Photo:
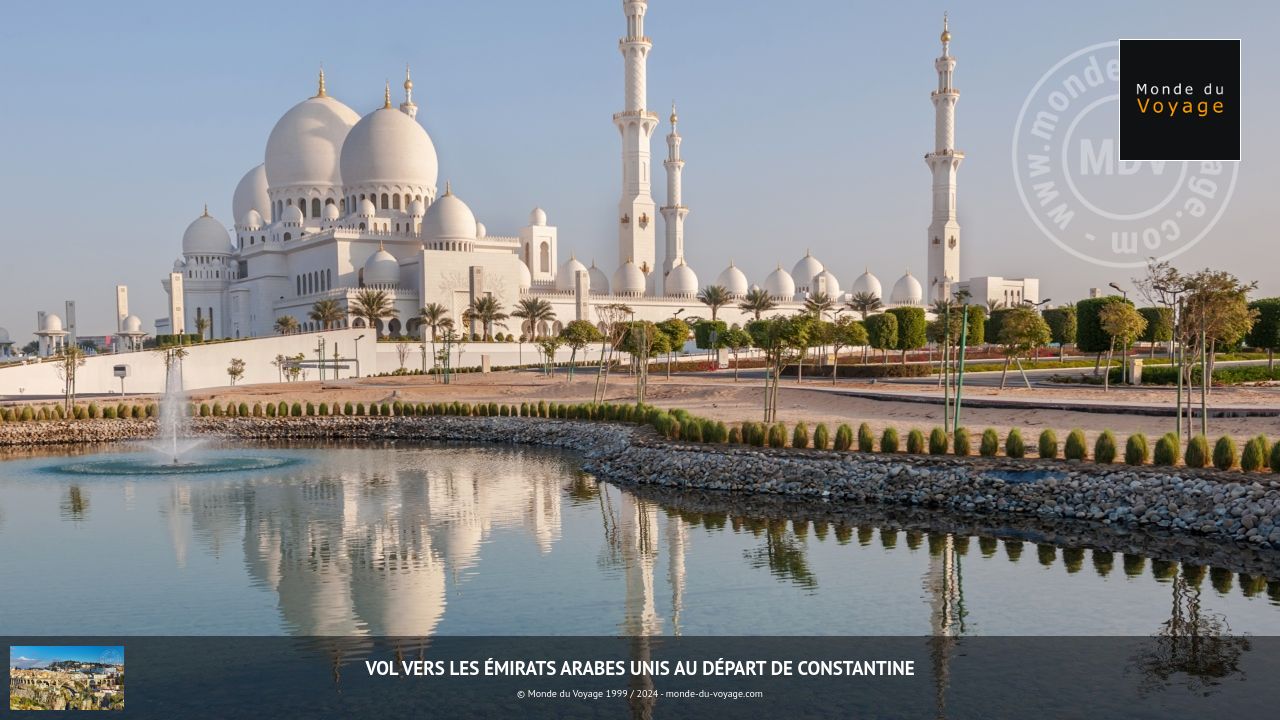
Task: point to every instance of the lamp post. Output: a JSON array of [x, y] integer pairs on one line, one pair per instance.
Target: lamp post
[[358, 339], [1124, 351], [320, 355], [1176, 360]]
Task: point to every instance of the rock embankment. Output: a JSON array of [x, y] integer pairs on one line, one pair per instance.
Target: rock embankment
[[1228, 507]]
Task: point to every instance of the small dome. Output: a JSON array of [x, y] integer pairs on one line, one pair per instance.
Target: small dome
[[251, 220], [52, 324], [628, 280], [682, 282], [833, 285], [805, 270], [381, 269], [526, 277], [387, 147], [733, 280], [599, 281], [133, 324], [538, 217], [481, 230], [568, 274], [417, 208], [292, 215], [206, 236], [907, 291], [779, 285], [367, 208], [868, 283], [449, 218], [305, 144], [331, 212], [251, 194]]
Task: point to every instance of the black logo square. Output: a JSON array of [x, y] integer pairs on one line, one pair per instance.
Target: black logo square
[[1180, 100]]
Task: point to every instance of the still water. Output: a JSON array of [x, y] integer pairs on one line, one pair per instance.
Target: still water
[[413, 540]]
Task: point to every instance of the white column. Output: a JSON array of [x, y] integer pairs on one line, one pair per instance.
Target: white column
[[944, 163], [636, 208]]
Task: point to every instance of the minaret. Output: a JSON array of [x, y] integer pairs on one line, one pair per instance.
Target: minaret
[[944, 162], [674, 212], [407, 107], [636, 221]]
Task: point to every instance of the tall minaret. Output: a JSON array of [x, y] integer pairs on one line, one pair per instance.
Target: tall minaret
[[636, 221], [674, 212], [407, 107], [944, 161]]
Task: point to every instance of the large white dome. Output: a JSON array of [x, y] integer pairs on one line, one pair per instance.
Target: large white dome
[[868, 283], [206, 236], [381, 269], [251, 194], [628, 280], [449, 218], [568, 274], [599, 281], [682, 282], [907, 291], [389, 148], [733, 280], [779, 285], [833, 284], [305, 145], [805, 270]]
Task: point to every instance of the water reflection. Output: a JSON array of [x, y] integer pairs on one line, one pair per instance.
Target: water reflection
[[76, 505]]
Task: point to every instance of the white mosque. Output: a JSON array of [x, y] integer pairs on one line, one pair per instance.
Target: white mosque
[[343, 202]]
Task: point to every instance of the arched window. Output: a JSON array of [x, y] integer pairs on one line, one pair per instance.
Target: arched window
[[361, 226], [289, 202], [328, 282], [302, 205], [395, 202], [544, 258], [343, 206], [288, 237], [385, 201], [315, 207]]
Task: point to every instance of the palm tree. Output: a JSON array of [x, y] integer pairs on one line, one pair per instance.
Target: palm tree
[[488, 312], [202, 327], [757, 302], [714, 297], [818, 305], [326, 312], [533, 312], [864, 302], [373, 306], [993, 304], [432, 317], [286, 324]]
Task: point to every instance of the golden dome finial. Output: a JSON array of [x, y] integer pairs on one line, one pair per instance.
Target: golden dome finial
[[408, 81], [206, 210], [674, 118], [946, 32], [320, 91], [386, 96], [448, 187]]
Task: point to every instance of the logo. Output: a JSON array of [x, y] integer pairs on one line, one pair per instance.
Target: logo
[[1072, 182]]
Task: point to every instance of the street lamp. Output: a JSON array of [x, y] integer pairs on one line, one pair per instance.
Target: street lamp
[[1171, 293], [1123, 293], [358, 339]]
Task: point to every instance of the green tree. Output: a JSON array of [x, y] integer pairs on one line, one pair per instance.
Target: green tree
[[235, 370], [882, 332], [864, 303], [1062, 326], [286, 325], [326, 313], [1265, 333], [1122, 323], [677, 332], [714, 297], [202, 327], [488, 312], [577, 335], [779, 338], [757, 302], [1159, 327], [736, 340], [1090, 337], [912, 329], [845, 332], [1022, 332], [374, 306]]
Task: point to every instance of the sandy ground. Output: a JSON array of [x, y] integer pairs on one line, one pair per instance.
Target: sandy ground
[[812, 401]]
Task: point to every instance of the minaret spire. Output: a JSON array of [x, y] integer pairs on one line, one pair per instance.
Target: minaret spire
[[320, 91], [407, 107], [386, 97], [944, 163], [636, 125], [674, 212]]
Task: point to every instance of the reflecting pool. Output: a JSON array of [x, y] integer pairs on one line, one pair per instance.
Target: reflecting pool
[[412, 540]]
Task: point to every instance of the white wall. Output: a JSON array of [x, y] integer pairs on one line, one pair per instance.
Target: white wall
[[500, 355], [204, 367]]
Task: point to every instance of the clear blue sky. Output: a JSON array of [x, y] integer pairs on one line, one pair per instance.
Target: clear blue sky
[[804, 125], [41, 655]]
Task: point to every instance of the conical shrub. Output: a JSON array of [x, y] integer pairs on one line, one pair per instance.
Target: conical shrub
[[1254, 457], [1166, 452], [1047, 447], [1135, 450], [844, 438], [821, 437], [1104, 449], [989, 446], [889, 441], [866, 439], [1197, 452], [1014, 446], [1224, 453], [800, 436], [1075, 448], [961, 443], [938, 441], [915, 442]]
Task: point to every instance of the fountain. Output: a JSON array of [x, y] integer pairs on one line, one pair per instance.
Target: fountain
[[172, 446]]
